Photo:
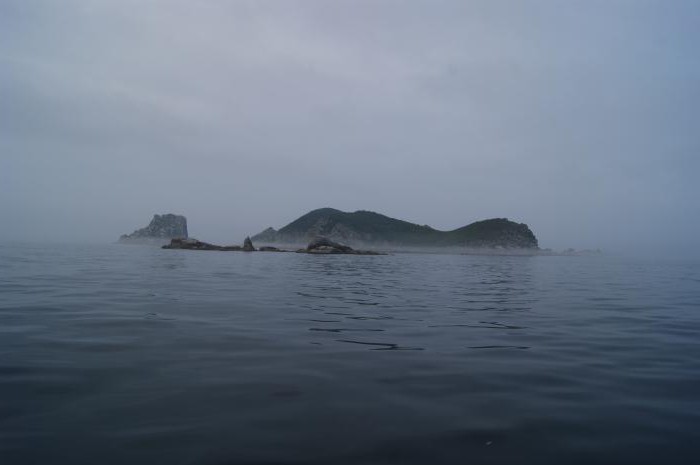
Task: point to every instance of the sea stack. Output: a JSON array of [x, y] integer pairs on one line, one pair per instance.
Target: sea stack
[[248, 245]]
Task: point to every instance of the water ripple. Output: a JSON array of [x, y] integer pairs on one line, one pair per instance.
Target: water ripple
[[141, 355]]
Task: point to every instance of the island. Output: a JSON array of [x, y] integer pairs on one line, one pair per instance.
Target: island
[[330, 231], [160, 230], [370, 229]]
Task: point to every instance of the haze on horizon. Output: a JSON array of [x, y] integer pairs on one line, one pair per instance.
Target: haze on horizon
[[580, 118]]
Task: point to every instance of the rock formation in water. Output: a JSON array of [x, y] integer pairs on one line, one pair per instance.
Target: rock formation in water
[[318, 246], [161, 228], [194, 244], [248, 245], [322, 245], [369, 228], [267, 248]]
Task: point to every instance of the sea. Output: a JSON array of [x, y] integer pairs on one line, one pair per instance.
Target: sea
[[114, 354]]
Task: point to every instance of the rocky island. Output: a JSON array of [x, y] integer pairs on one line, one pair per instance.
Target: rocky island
[[331, 231], [161, 229], [366, 228]]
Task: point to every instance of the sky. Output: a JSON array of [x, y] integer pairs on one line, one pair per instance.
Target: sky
[[579, 118]]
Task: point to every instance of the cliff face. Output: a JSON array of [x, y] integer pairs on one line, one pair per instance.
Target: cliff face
[[365, 227], [163, 227]]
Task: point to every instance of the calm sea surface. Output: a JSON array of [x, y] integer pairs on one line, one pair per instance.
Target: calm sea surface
[[128, 354]]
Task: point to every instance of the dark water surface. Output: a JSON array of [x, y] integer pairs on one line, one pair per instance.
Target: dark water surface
[[126, 354]]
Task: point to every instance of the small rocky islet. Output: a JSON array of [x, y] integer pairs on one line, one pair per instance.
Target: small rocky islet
[[161, 228]]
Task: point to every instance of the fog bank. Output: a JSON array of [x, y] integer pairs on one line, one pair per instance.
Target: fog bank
[[578, 118]]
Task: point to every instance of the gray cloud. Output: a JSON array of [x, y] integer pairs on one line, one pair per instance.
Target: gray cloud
[[580, 118]]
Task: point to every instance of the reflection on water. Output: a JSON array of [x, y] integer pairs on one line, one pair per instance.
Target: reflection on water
[[140, 355]]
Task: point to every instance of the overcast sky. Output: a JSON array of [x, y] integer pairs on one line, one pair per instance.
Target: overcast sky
[[580, 118]]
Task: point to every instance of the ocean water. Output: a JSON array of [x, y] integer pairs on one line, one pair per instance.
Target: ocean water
[[125, 354]]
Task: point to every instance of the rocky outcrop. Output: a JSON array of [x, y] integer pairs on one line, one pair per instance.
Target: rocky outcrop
[[194, 244], [161, 228], [324, 246], [248, 245], [320, 246], [267, 248]]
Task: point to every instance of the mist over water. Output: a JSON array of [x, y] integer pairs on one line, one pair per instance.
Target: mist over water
[[135, 354]]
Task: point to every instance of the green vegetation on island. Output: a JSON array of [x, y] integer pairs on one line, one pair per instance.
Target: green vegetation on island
[[366, 227]]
